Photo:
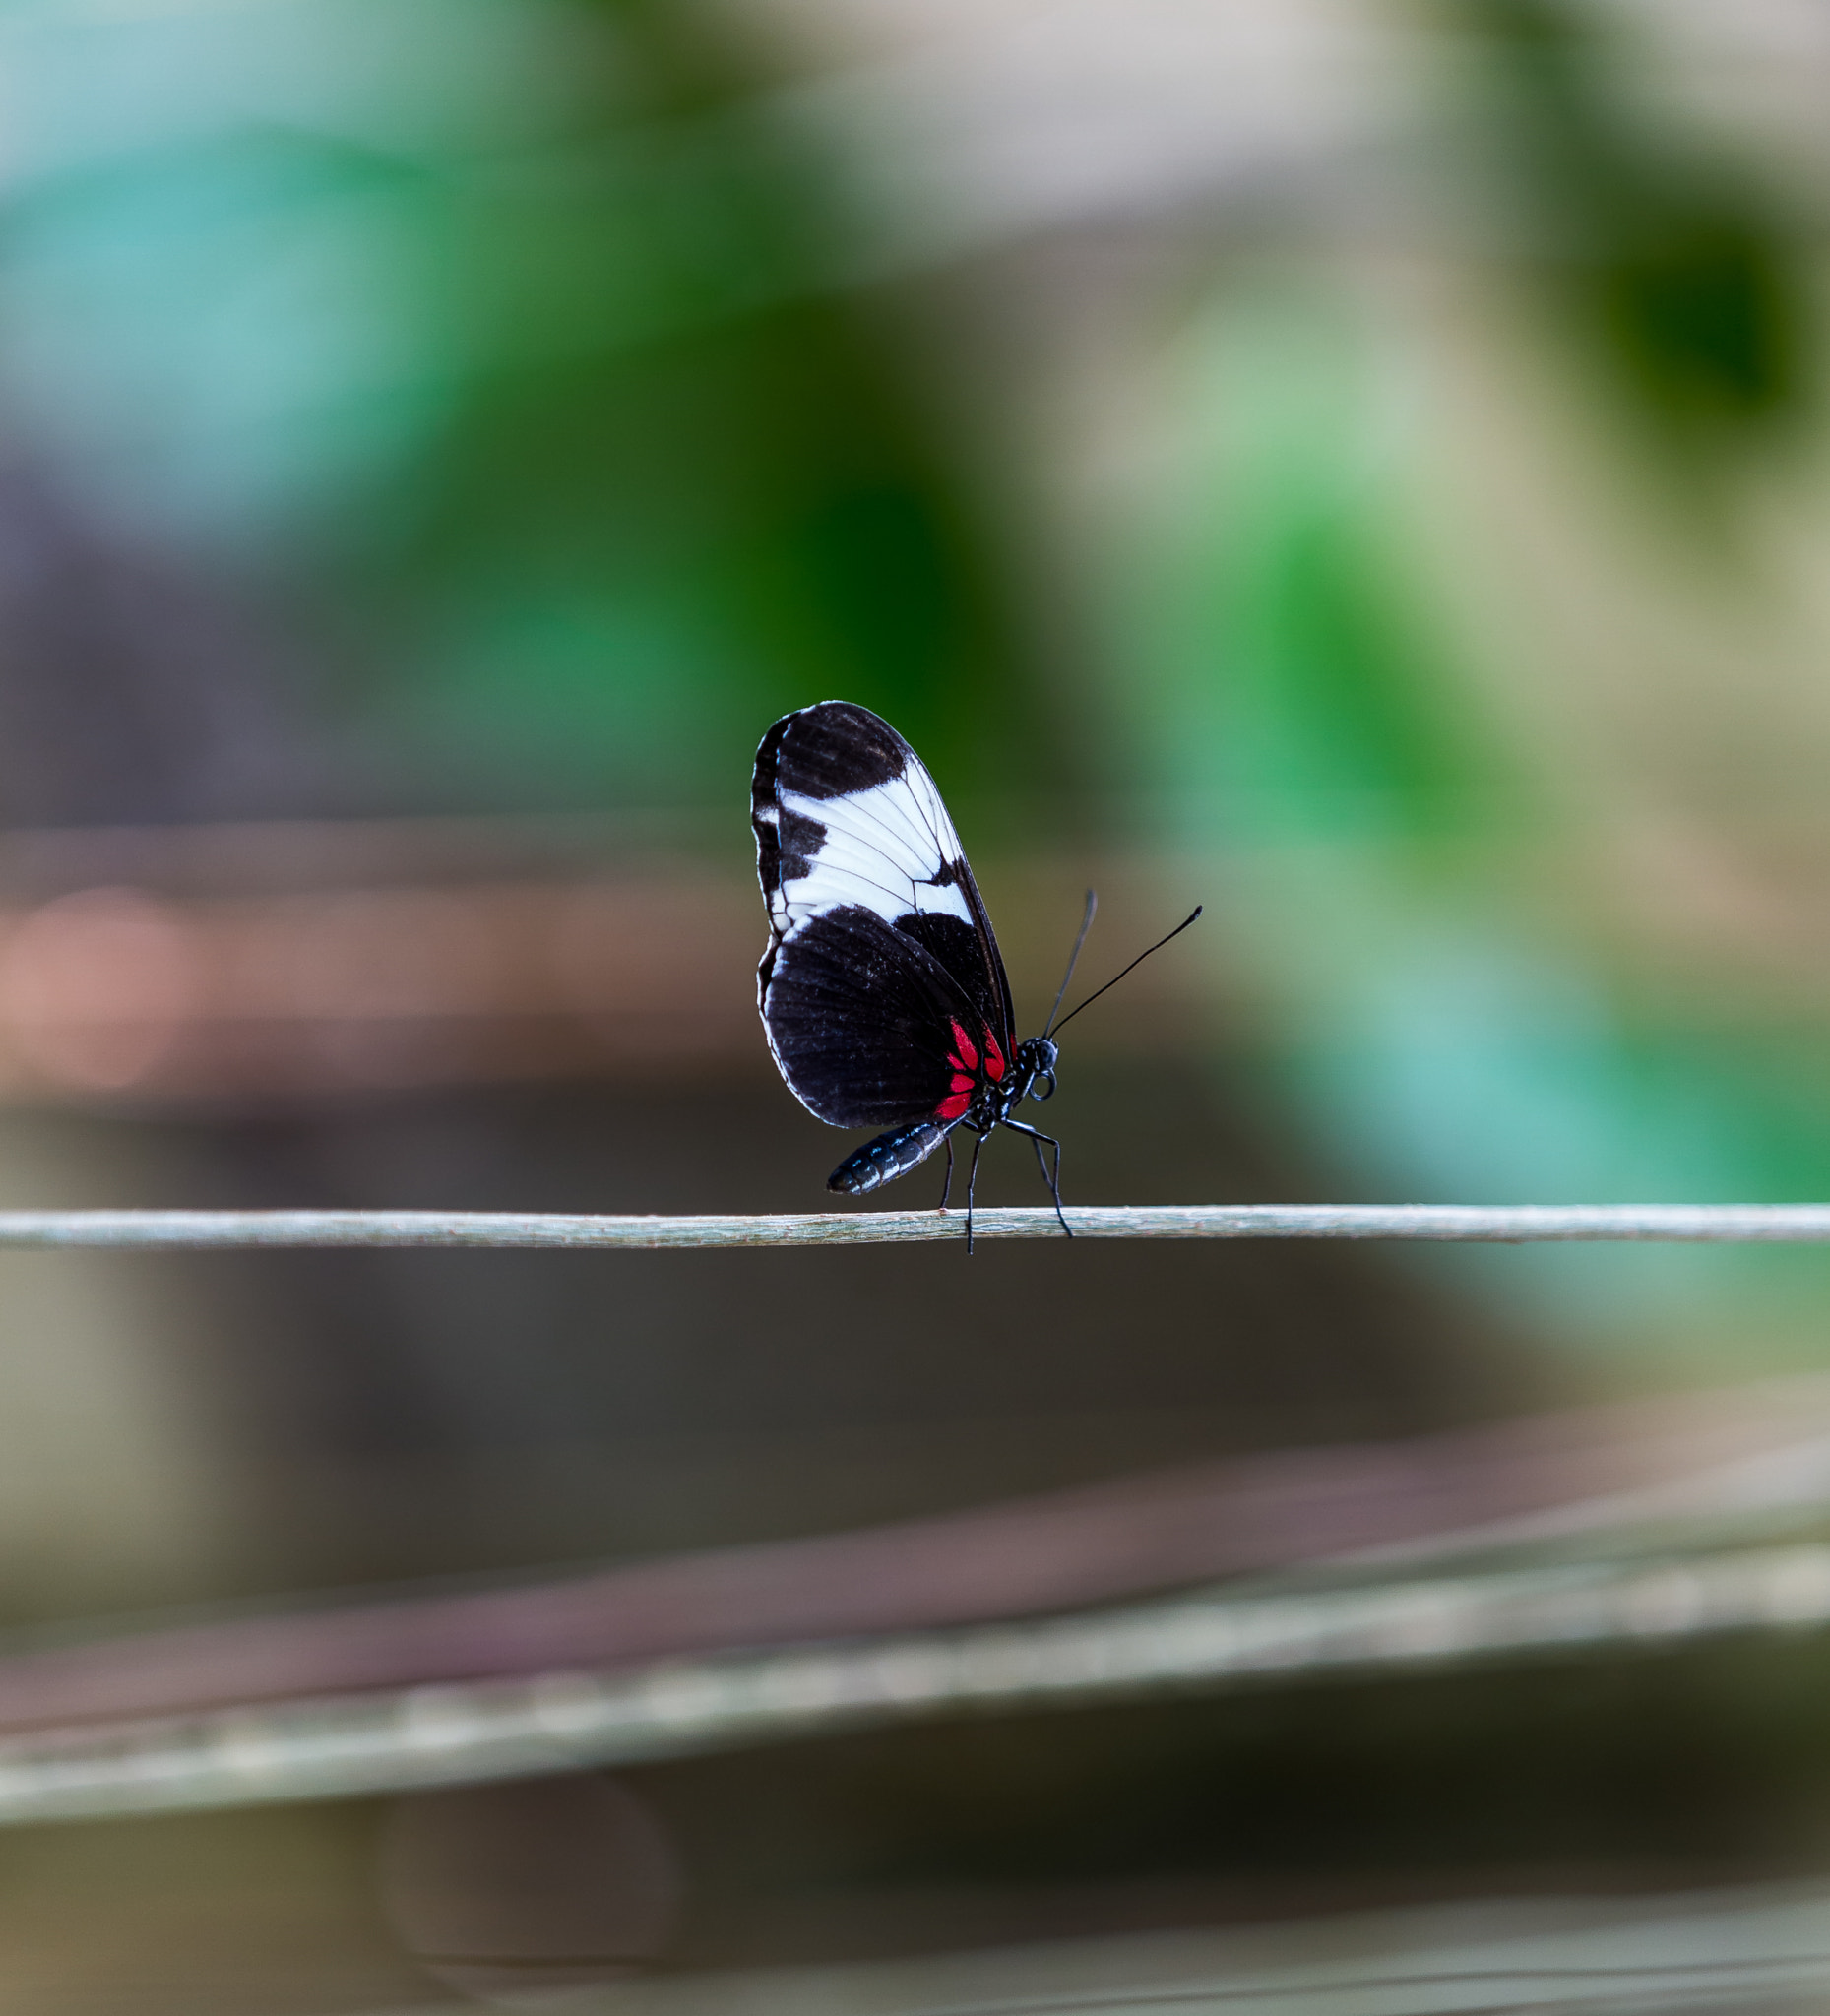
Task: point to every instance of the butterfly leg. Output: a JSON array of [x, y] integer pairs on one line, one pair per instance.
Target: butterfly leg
[[972, 1184], [946, 1188], [1052, 1177]]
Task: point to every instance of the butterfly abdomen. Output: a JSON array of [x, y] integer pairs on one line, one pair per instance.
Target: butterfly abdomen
[[888, 1156]]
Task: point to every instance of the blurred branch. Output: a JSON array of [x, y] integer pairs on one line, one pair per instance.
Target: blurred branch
[[1501, 1223], [569, 1721], [1682, 1474], [991, 1607], [1754, 1949]]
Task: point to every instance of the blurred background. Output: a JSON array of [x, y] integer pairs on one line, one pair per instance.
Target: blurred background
[[1358, 464]]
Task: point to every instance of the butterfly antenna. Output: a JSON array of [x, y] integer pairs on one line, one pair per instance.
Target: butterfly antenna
[[1138, 961], [1073, 958]]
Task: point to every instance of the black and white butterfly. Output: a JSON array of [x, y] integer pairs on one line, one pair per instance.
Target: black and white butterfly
[[883, 992]]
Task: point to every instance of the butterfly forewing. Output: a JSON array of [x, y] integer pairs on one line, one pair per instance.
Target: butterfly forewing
[[882, 977]]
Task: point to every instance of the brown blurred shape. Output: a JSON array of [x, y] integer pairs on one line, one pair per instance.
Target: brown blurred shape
[[520, 1892], [111, 990], [97, 987], [306, 958]]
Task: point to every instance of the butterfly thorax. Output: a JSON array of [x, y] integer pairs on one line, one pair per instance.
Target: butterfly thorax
[[1031, 1075]]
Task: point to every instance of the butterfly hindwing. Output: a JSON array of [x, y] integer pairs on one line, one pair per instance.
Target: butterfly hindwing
[[860, 1020], [847, 815]]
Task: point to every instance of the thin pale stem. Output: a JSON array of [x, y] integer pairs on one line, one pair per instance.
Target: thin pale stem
[[1729, 1224]]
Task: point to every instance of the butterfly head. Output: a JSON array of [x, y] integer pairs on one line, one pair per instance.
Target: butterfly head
[[1035, 1069]]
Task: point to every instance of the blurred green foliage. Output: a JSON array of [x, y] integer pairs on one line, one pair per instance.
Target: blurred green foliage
[[504, 340], [1674, 267], [680, 483], [1319, 705]]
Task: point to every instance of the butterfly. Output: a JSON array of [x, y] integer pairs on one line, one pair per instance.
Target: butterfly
[[882, 991]]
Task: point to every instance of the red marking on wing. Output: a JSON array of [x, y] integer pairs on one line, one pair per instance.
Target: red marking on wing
[[965, 1063], [956, 1101]]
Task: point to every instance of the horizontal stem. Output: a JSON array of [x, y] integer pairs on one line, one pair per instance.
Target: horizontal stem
[[1786, 1224]]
